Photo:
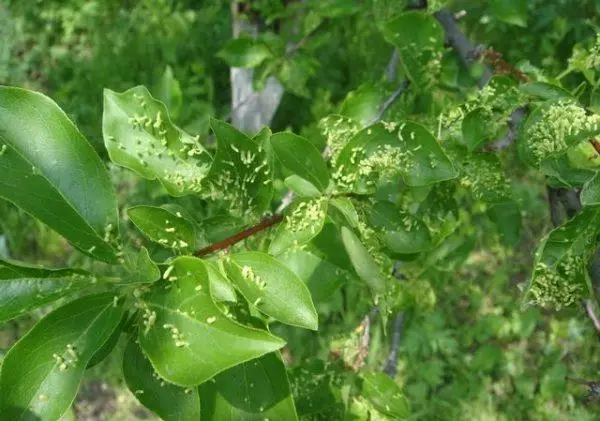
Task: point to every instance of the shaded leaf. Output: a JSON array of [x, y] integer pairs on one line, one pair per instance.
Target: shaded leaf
[[590, 195], [253, 391], [186, 337], [220, 287], [299, 156], [169, 93], [164, 227], [301, 187], [385, 395], [240, 174], [139, 135], [24, 288], [272, 288], [364, 264], [560, 275], [170, 402], [513, 12], [321, 277], [304, 221], [545, 91], [48, 169], [507, 217], [41, 373], [402, 233], [244, 52]]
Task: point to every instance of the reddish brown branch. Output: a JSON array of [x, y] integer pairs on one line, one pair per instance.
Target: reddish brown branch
[[230, 241]]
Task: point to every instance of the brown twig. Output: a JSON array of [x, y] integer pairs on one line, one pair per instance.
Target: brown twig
[[230, 241], [589, 308]]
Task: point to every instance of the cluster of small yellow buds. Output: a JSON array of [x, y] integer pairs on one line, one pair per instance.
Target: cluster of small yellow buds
[[558, 286], [593, 59], [559, 122], [337, 130], [306, 216]]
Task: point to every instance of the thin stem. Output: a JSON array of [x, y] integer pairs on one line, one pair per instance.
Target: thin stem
[[391, 364], [591, 311], [230, 241], [388, 102]]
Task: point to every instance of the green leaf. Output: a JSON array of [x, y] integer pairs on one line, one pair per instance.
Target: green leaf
[[563, 170], [169, 93], [170, 402], [385, 395], [24, 288], [253, 391], [220, 287], [552, 128], [185, 335], [48, 169], [583, 156], [507, 217], [139, 135], [363, 104], [387, 150], [513, 12], [244, 52], [295, 72], [476, 128], [402, 232], [110, 344], [169, 229], [240, 174], [41, 373], [429, 163], [272, 288], [337, 131], [364, 264], [419, 38], [300, 157], [301, 187], [560, 274], [545, 91], [483, 175], [304, 221], [316, 385], [140, 268], [347, 209], [590, 195], [321, 277]]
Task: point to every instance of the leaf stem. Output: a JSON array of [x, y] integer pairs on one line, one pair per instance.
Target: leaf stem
[[230, 241]]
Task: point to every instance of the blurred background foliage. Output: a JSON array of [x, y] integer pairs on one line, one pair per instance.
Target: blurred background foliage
[[468, 350]]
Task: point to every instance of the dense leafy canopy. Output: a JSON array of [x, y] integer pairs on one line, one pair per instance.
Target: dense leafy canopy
[[361, 259]]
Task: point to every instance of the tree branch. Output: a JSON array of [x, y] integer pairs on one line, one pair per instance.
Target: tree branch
[[230, 241], [465, 49], [391, 364], [591, 312], [388, 102]]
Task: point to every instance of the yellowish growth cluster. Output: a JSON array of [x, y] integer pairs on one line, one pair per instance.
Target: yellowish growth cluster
[[484, 178], [70, 360], [385, 163], [558, 286], [593, 59], [337, 131], [238, 185], [176, 335], [249, 274], [306, 216], [558, 122], [149, 319]]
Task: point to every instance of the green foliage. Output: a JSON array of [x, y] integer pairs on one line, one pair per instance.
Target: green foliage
[[361, 260]]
